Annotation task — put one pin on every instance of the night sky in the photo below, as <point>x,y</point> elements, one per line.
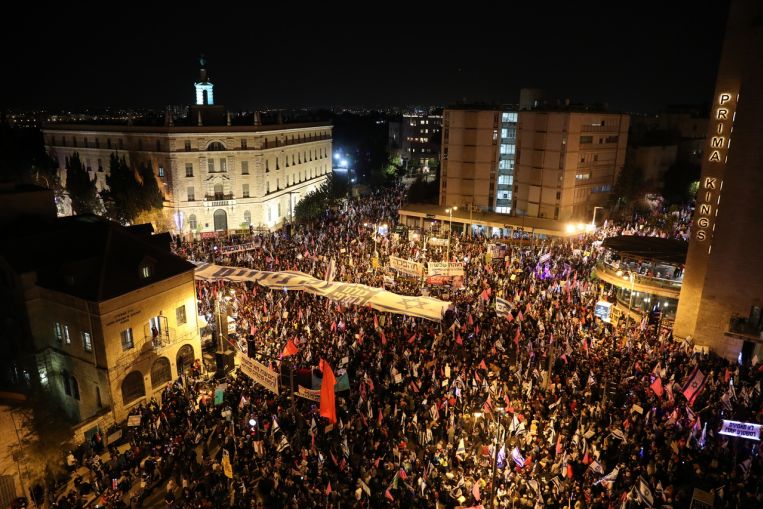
<point>638,61</point>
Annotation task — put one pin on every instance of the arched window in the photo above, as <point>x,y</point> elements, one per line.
<point>192,222</point>
<point>161,372</point>
<point>132,387</point>
<point>66,378</point>
<point>215,145</point>
<point>75,388</point>
<point>185,358</point>
<point>247,217</point>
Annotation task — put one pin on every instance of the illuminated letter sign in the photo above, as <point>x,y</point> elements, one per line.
<point>717,154</point>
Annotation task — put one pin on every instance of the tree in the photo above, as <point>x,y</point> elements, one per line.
<point>315,203</point>
<point>677,182</point>
<point>312,206</point>
<point>120,199</point>
<point>150,197</point>
<point>630,186</point>
<point>423,191</point>
<point>44,436</point>
<point>81,187</point>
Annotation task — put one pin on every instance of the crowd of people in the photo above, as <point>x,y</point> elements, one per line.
<point>540,405</point>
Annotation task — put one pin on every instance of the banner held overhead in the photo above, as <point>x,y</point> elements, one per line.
<point>344,293</point>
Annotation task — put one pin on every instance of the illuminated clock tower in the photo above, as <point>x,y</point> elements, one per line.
<point>204,94</point>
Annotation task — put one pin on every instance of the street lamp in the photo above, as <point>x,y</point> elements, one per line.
<point>450,228</point>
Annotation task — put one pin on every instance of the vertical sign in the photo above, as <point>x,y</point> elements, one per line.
<point>711,182</point>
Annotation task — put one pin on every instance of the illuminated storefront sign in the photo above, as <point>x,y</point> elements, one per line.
<point>711,183</point>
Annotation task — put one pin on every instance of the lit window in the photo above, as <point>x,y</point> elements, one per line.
<point>127,341</point>
<point>161,171</point>
<point>67,337</point>
<point>87,342</point>
<point>189,169</point>
<point>58,330</point>
<point>508,148</point>
<point>145,272</point>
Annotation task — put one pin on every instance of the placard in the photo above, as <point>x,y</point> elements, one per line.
<point>260,373</point>
<point>133,420</point>
<point>435,241</point>
<point>225,250</point>
<point>310,394</point>
<point>406,266</point>
<point>445,268</point>
<point>741,429</point>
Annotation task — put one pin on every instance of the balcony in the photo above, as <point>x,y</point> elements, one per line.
<point>219,200</point>
<point>618,277</point>
<point>745,328</point>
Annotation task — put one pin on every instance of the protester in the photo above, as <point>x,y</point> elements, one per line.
<point>570,410</point>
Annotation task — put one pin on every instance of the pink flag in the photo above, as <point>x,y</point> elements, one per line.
<point>657,387</point>
<point>476,491</point>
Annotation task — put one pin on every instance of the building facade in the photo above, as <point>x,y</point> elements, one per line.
<point>722,292</point>
<point>567,162</point>
<point>477,159</point>
<point>111,320</point>
<point>420,136</point>
<point>215,176</point>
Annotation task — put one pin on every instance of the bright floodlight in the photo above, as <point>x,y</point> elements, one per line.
<point>619,272</point>
<point>570,228</point>
<point>343,163</point>
<point>336,155</point>
<point>581,226</point>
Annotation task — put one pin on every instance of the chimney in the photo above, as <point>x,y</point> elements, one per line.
<point>198,118</point>
<point>227,118</point>
<point>257,118</point>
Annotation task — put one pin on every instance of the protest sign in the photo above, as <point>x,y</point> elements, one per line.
<point>260,373</point>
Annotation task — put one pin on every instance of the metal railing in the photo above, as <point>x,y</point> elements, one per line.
<point>639,279</point>
<point>743,325</point>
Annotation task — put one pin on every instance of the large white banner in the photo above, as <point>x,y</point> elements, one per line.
<point>260,373</point>
<point>406,266</point>
<point>445,268</point>
<point>435,241</point>
<point>345,293</point>
<point>741,429</point>
<point>238,248</point>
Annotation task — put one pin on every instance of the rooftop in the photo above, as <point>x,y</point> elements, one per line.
<point>652,248</point>
<point>89,257</point>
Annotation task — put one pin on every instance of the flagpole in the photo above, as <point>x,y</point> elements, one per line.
<point>499,411</point>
